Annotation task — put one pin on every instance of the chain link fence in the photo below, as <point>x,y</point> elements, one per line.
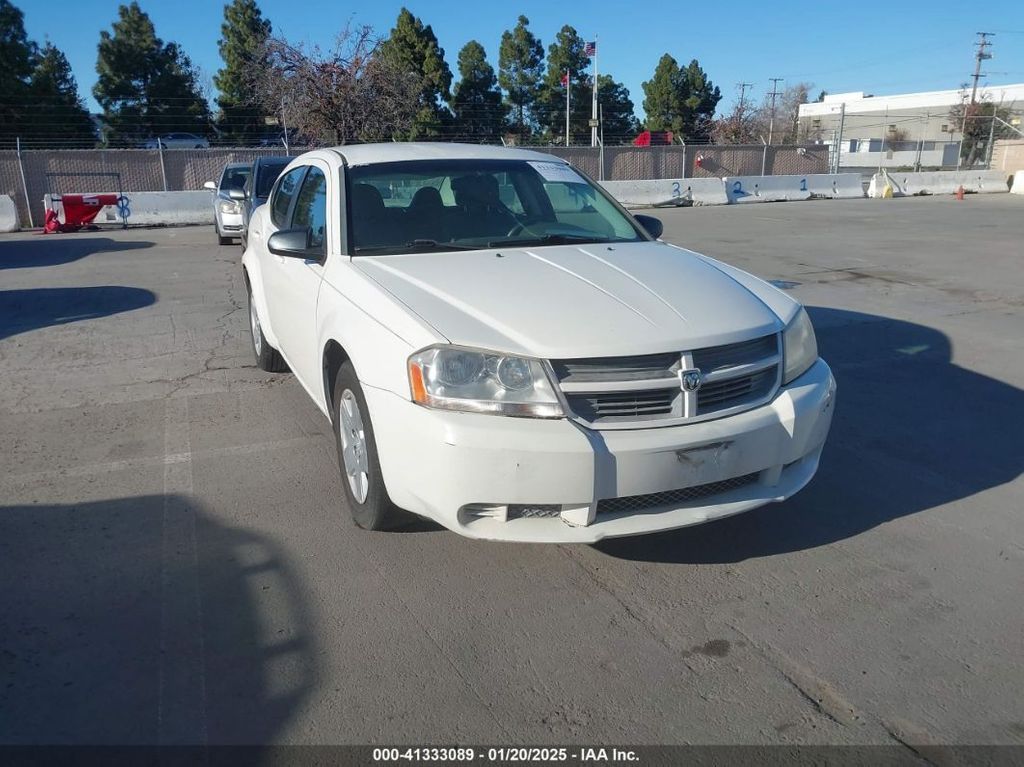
<point>28,174</point>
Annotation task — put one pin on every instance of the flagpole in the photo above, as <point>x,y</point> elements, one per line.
<point>593,104</point>
<point>568,90</point>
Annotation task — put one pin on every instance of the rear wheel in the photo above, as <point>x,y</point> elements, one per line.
<point>267,357</point>
<point>361,476</point>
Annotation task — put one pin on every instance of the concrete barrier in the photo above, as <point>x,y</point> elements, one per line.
<point>835,186</point>
<point>156,208</point>
<point>938,182</point>
<point>8,214</point>
<point>1018,182</point>
<point>743,189</point>
<point>668,192</point>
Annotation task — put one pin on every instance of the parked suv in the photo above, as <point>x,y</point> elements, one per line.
<point>227,211</point>
<point>502,348</point>
<point>262,175</point>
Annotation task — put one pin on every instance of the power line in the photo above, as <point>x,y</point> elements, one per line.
<point>771,119</point>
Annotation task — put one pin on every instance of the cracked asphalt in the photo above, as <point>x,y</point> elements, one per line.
<point>177,565</point>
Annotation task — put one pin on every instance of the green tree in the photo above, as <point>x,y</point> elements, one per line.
<point>665,97</point>
<point>980,121</point>
<point>242,38</point>
<point>618,123</point>
<point>58,113</point>
<point>146,87</point>
<point>17,59</point>
<point>566,55</point>
<point>520,67</point>
<point>680,99</point>
<point>701,101</point>
<point>476,100</point>
<point>413,47</point>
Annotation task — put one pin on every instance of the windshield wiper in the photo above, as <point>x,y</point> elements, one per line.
<point>416,246</point>
<point>550,239</point>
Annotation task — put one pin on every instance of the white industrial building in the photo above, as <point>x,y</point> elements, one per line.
<point>905,129</point>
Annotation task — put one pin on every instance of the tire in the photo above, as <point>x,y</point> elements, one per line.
<point>267,357</point>
<point>361,477</point>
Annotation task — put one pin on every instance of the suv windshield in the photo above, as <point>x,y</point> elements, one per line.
<point>234,177</point>
<point>468,204</point>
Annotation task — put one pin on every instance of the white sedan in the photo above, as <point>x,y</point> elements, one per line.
<point>503,349</point>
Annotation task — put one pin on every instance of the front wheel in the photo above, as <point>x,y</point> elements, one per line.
<point>267,357</point>
<point>361,476</point>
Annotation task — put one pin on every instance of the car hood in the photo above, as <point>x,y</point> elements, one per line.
<point>576,300</point>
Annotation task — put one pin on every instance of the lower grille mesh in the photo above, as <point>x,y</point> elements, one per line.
<point>639,503</point>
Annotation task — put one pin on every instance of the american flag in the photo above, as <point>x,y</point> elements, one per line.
<point>590,49</point>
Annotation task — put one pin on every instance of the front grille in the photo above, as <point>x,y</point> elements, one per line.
<point>721,395</point>
<point>636,405</point>
<point>617,368</point>
<point>632,504</point>
<point>615,392</point>
<point>718,357</point>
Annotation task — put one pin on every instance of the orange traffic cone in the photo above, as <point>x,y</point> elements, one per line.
<point>960,192</point>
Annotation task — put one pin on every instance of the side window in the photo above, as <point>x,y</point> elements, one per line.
<point>283,197</point>
<point>311,207</point>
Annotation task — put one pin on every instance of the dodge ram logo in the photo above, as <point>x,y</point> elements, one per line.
<point>691,379</point>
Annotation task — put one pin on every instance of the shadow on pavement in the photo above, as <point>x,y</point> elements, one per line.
<point>912,430</point>
<point>94,640</point>
<point>34,308</point>
<point>53,250</point>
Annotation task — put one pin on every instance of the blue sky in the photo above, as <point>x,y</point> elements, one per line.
<point>876,47</point>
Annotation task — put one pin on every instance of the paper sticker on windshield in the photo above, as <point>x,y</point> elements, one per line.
<point>557,171</point>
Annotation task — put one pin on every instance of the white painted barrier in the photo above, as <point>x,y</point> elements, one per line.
<point>156,208</point>
<point>938,182</point>
<point>8,214</point>
<point>835,186</point>
<point>743,189</point>
<point>668,192</point>
<point>1018,182</point>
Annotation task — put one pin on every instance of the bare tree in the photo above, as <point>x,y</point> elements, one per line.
<point>343,95</point>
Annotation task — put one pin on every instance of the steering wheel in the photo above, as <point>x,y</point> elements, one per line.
<point>519,228</point>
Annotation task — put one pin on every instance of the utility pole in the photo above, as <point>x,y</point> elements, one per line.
<point>979,57</point>
<point>775,92</point>
<point>739,110</point>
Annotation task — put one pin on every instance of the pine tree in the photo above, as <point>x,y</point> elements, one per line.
<point>520,67</point>
<point>566,54</point>
<point>145,86</point>
<point>701,101</point>
<point>17,58</point>
<point>59,113</point>
<point>476,99</point>
<point>665,95</point>
<point>413,47</point>
<point>243,35</point>
<point>618,123</point>
<point>680,99</point>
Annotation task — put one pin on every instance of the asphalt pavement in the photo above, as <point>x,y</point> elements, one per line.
<point>177,564</point>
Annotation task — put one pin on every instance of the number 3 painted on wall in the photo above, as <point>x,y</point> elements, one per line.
<point>676,192</point>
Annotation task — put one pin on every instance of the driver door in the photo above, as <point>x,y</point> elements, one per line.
<point>293,284</point>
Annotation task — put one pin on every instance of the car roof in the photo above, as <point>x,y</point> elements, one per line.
<point>237,166</point>
<point>368,154</point>
<point>283,158</point>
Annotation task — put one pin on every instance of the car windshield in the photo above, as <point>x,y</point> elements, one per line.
<point>426,205</point>
<point>267,175</point>
<point>234,178</point>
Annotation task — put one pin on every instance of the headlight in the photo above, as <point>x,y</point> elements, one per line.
<point>228,206</point>
<point>455,378</point>
<point>799,347</point>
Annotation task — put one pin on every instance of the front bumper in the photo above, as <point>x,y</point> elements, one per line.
<point>229,223</point>
<point>446,465</point>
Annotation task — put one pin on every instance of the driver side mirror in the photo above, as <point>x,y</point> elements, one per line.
<point>236,194</point>
<point>651,225</point>
<point>210,185</point>
<point>295,243</point>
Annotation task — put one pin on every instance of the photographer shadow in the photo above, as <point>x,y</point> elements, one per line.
<point>912,430</point>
